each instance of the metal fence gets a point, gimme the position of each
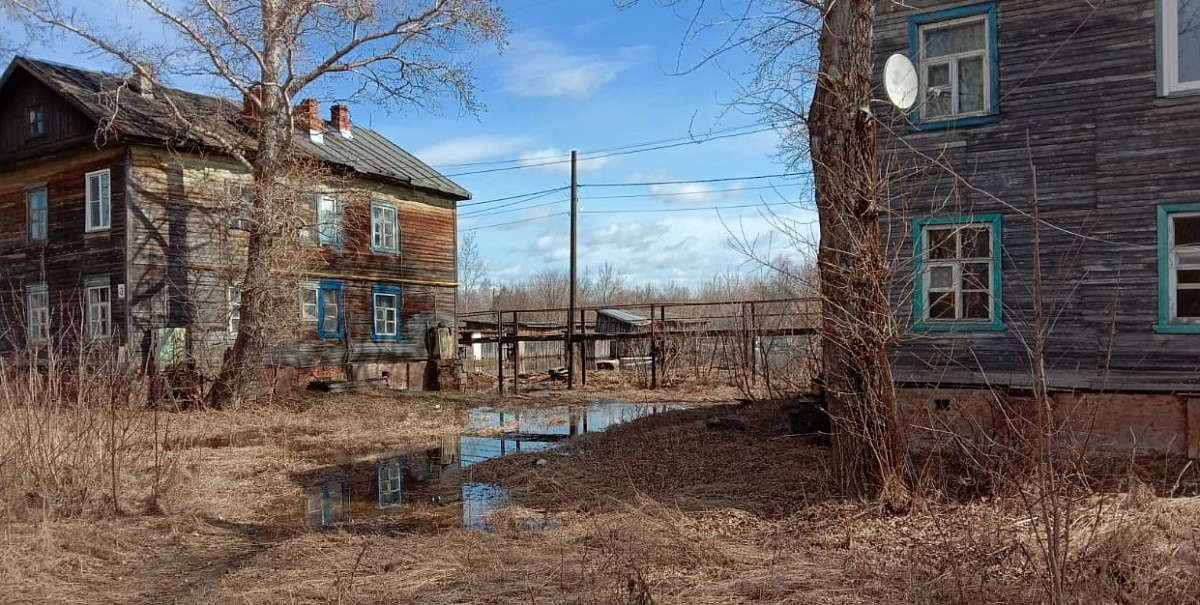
(766, 345)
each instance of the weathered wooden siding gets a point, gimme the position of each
(69, 255)
(184, 256)
(1083, 132)
(64, 126)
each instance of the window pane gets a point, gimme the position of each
(976, 276)
(1189, 276)
(1189, 40)
(1187, 229)
(308, 303)
(1188, 303)
(970, 85)
(937, 83)
(955, 39)
(941, 305)
(976, 242)
(941, 278)
(941, 243)
(975, 305)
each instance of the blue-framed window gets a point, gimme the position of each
(956, 262)
(1178, 268)
(385, 228)
(385, 305)
(330, 317)
(958, 67)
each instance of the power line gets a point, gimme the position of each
(489, 212)
(698, 181)
(633, 147)
(512, 197)
(692, 209)
(516, 222)
(601, 155)
(681, 193)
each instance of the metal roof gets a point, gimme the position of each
(624, 316)
(108, 98)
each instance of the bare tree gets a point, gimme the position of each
(835, 129)
(472, 274)
(268, 52)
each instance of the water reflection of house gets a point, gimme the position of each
(363, 486)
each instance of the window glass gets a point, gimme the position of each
(957, 271)
(98, 200)
(954, 39)
(37, 201)
(99, 312)
(308, 303)
(1187, 230)
(1189, 40)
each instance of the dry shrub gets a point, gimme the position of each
(77, 438)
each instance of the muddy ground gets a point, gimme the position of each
(716, 504)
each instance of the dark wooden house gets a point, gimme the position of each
(1046, 182)
(122, 228)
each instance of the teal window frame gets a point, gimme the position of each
(1166, 323)
(377, 226)
(920, 323)
(382, 290)
(325, 291)
(915, 25)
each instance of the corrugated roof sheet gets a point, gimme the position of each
(625, 316)
(152, 118)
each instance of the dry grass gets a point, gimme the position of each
(709, 505)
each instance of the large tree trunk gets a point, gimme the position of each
(856, 323)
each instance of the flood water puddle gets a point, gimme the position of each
(432, 487)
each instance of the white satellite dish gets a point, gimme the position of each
(900, 81)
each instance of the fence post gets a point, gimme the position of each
(516, 330)
(653, 353)
(583, 349)
(499, 353)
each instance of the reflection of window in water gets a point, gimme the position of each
(327, 505)
(390, 477)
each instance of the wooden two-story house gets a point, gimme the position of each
(121, 228)
(1046, 182)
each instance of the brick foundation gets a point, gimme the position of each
(1141, 423)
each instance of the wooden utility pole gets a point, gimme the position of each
(569, 343)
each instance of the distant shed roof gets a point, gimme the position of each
(625, 316)
(151, 118)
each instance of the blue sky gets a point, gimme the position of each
(658, 201)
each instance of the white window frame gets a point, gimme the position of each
(929, 264)
(37, 221)
(381, 330)
(1168, 51)
(100, 195)
(99, 312)
(233, 305)
(37, 305)
(330, 220)
(385, 218)
(984, 53)
(1177, 263)
(305, 314)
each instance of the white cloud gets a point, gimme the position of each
(536, 66)
(546, 247)
(690, 193)
(553, 159)
(470, 149)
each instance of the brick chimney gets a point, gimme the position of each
(308, 118)
(249, 116)
(340, 116)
